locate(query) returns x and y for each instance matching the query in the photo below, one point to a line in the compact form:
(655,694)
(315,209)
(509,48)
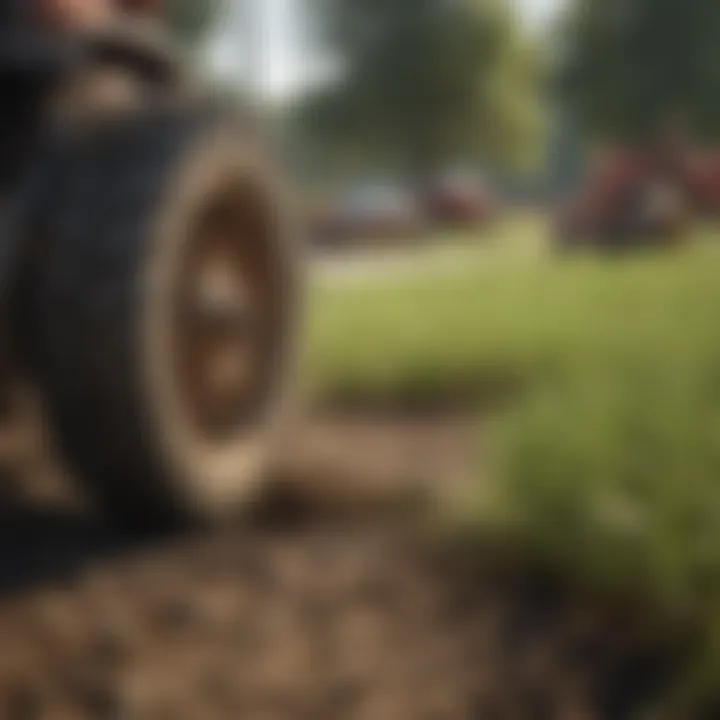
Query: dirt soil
(326,603)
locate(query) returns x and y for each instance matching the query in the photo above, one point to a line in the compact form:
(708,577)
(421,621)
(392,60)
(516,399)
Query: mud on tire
(125,347)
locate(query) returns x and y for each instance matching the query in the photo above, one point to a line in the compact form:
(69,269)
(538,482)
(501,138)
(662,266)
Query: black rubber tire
(111,211)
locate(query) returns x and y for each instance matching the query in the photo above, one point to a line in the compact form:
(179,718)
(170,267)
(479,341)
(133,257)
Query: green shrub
(605,457)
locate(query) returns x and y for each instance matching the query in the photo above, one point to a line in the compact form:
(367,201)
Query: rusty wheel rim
(228,324)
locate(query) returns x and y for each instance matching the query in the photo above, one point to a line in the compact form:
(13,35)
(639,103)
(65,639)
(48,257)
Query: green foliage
(630,66)
(428,83)
(189,19)
(604,459)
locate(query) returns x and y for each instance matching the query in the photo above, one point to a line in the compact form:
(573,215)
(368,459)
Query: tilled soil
(310,610)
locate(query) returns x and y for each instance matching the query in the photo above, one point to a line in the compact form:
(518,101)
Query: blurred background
(603,115)
(511,206)
(513,354)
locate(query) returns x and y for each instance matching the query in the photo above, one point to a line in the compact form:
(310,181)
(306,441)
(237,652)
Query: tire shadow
(43,543)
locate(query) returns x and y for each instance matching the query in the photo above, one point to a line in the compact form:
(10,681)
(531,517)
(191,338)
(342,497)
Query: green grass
(504,322)
(605,456)
(422,338)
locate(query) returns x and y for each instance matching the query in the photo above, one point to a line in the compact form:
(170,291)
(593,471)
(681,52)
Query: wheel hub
(224,325)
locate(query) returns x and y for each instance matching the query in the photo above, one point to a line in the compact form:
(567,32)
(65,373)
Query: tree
(630,68)
(426,83)
(189,19)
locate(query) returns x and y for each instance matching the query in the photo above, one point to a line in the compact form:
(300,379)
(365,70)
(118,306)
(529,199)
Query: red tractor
(631,198)
(461,200)
(703,178)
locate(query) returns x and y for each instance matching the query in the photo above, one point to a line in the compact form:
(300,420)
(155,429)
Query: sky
(280,65)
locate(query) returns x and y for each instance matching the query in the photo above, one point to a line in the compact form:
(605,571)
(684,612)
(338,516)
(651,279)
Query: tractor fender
(143,48)
(119,69)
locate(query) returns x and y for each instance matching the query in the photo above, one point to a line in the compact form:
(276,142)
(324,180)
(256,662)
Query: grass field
(605,422)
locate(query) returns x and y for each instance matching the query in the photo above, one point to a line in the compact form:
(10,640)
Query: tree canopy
(189,19)
(427,82)
(631,67)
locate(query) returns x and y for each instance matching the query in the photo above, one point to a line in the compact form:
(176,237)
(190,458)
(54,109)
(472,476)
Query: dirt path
(311,610)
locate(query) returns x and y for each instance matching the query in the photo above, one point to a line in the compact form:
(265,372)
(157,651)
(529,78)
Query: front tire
(163,313)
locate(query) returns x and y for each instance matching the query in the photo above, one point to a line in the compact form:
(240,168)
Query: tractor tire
(160,313)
